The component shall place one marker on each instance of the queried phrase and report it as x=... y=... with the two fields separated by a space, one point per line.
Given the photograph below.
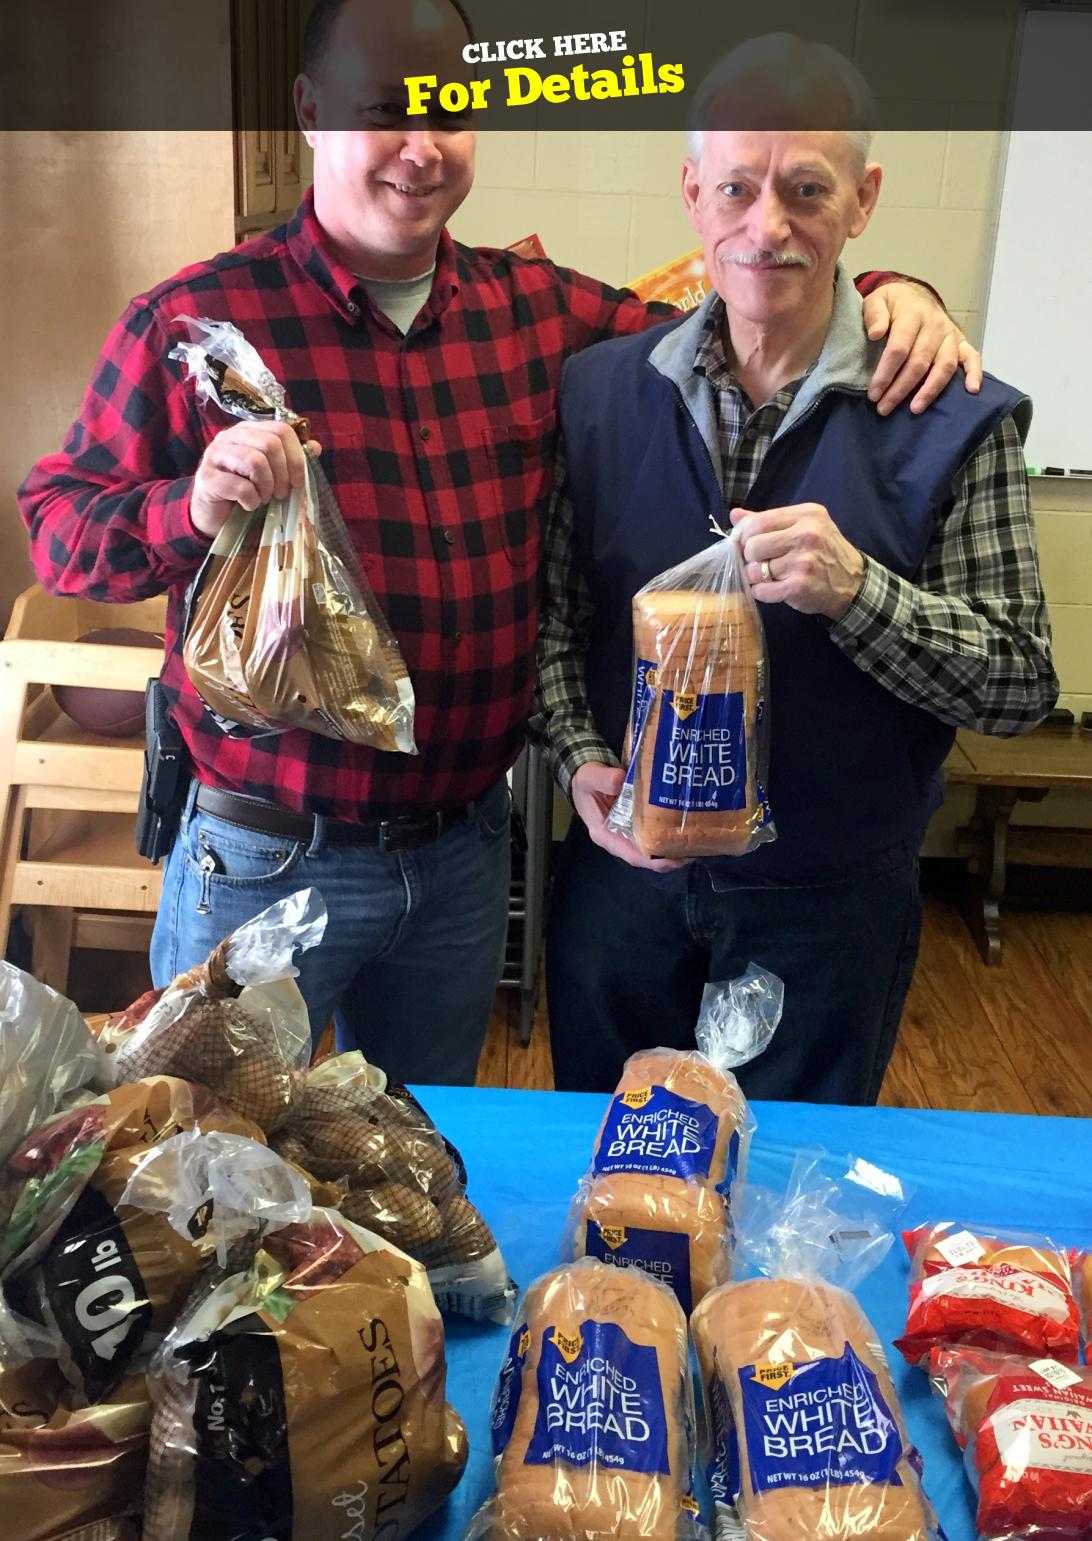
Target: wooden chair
x=68 y=798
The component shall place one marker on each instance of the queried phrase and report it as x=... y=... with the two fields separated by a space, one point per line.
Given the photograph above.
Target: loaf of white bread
x=592 y=1417
x=614 y=1203
x=699 y=645
x=794 y=1372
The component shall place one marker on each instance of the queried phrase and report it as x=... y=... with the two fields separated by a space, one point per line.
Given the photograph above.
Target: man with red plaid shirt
x=429 y=373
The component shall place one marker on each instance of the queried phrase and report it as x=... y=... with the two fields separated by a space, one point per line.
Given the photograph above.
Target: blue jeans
x=628 y=954
x=414 y=943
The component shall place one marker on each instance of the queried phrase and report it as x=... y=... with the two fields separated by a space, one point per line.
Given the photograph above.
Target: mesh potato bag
x=592 y=1415
x=697 y=749
x=69 y=1472
x=401 y=1179
x=87 y=1278
x=237 y=1023
x=805 y=1434
x=1025 y=1429
x=304 y=1398
x=1013 y=1294
x=282 y=630
x=673 y=1142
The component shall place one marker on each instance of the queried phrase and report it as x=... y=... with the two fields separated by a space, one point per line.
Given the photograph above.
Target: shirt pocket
x=346 y=467
x=520 y=456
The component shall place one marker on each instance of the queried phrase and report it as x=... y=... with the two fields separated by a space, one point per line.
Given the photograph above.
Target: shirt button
x=458 y=638
x=426 y=433
x=354 y=309
x=449 y=536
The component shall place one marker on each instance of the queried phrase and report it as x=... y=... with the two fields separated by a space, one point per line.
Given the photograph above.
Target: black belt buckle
x=383 y=842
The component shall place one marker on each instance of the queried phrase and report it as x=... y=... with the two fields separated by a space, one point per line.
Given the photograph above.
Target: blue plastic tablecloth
x=526 y=1151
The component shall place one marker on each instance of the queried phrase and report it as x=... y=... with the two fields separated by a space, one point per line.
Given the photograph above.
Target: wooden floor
x=1013 y=1039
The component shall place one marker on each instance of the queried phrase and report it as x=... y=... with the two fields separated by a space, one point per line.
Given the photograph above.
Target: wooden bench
x=1006 y=771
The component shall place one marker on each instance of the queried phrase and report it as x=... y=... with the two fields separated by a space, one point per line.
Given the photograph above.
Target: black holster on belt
x=166 y=777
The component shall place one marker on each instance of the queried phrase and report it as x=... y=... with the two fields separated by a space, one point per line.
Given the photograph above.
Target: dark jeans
x=628 y=954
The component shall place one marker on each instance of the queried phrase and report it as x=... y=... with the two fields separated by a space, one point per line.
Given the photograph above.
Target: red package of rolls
x=1026 y=1432
x=1008 y=1294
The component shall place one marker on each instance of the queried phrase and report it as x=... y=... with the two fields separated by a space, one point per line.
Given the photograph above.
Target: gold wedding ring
x=766 y=578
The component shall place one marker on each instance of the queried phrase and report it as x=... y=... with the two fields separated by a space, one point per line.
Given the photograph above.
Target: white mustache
x=754 y=259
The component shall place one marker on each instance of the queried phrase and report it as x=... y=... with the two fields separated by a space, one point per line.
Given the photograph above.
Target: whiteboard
x=1038 y=328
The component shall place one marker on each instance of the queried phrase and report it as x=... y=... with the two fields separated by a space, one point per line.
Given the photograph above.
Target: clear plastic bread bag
x=400 y=1178
x=697 y=744
x=283 y=630
x=592 y=1415
x=236 y=1023
x=1006 y=1290
x=303 y=1396
x=1025 y=1429
x=804 y=1434
x=673 y=1144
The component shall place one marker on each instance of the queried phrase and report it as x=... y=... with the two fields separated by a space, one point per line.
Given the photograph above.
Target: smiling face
x=385 y=184
x=774 y=211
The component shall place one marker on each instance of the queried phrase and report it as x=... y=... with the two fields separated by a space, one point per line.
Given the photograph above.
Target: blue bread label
x=663 y=1254
x=731 y=1169
x=643 y=693
x=722 y=1470
x=502 y=1414
x=699 y=762
x=600 y=1402
x=818 y=1424
x=654 y=1131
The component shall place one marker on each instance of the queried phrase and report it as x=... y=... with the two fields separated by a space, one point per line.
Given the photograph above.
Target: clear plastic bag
x=304 y=1397
x=672 y=1145
x=592 y=1416
x=805 y=1435
x=47 y=1053
x=88 y=1280
x=65 y=1467
x=401 y=1179
x=236 y=1186
x=1008 y=1291
x=697 y=746
x=283 y=630
x=1025 y=1430
x=236 y=1023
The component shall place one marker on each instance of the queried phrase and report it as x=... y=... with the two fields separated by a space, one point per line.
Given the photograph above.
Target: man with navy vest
x=893 y=559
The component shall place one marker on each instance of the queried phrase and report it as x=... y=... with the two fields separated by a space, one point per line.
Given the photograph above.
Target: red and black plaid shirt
x=439 y=446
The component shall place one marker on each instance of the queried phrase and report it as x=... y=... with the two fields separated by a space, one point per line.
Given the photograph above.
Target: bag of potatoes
x=282 y=629
x=401 y=1179
x=697 y=745
x=237 y=1023
x=304 y=1397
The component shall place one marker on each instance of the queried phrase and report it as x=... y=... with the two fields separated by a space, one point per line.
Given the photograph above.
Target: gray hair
x=777 y=58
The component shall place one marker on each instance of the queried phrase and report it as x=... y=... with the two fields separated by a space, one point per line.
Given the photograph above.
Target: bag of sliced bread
x=1025 y=1429
x=697 y=745
x=1012 y=1293
x=672 y=1144
x=592 y=1415
x=806 y=1434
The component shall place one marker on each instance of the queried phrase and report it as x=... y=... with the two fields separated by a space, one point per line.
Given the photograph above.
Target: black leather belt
x=402 y=834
